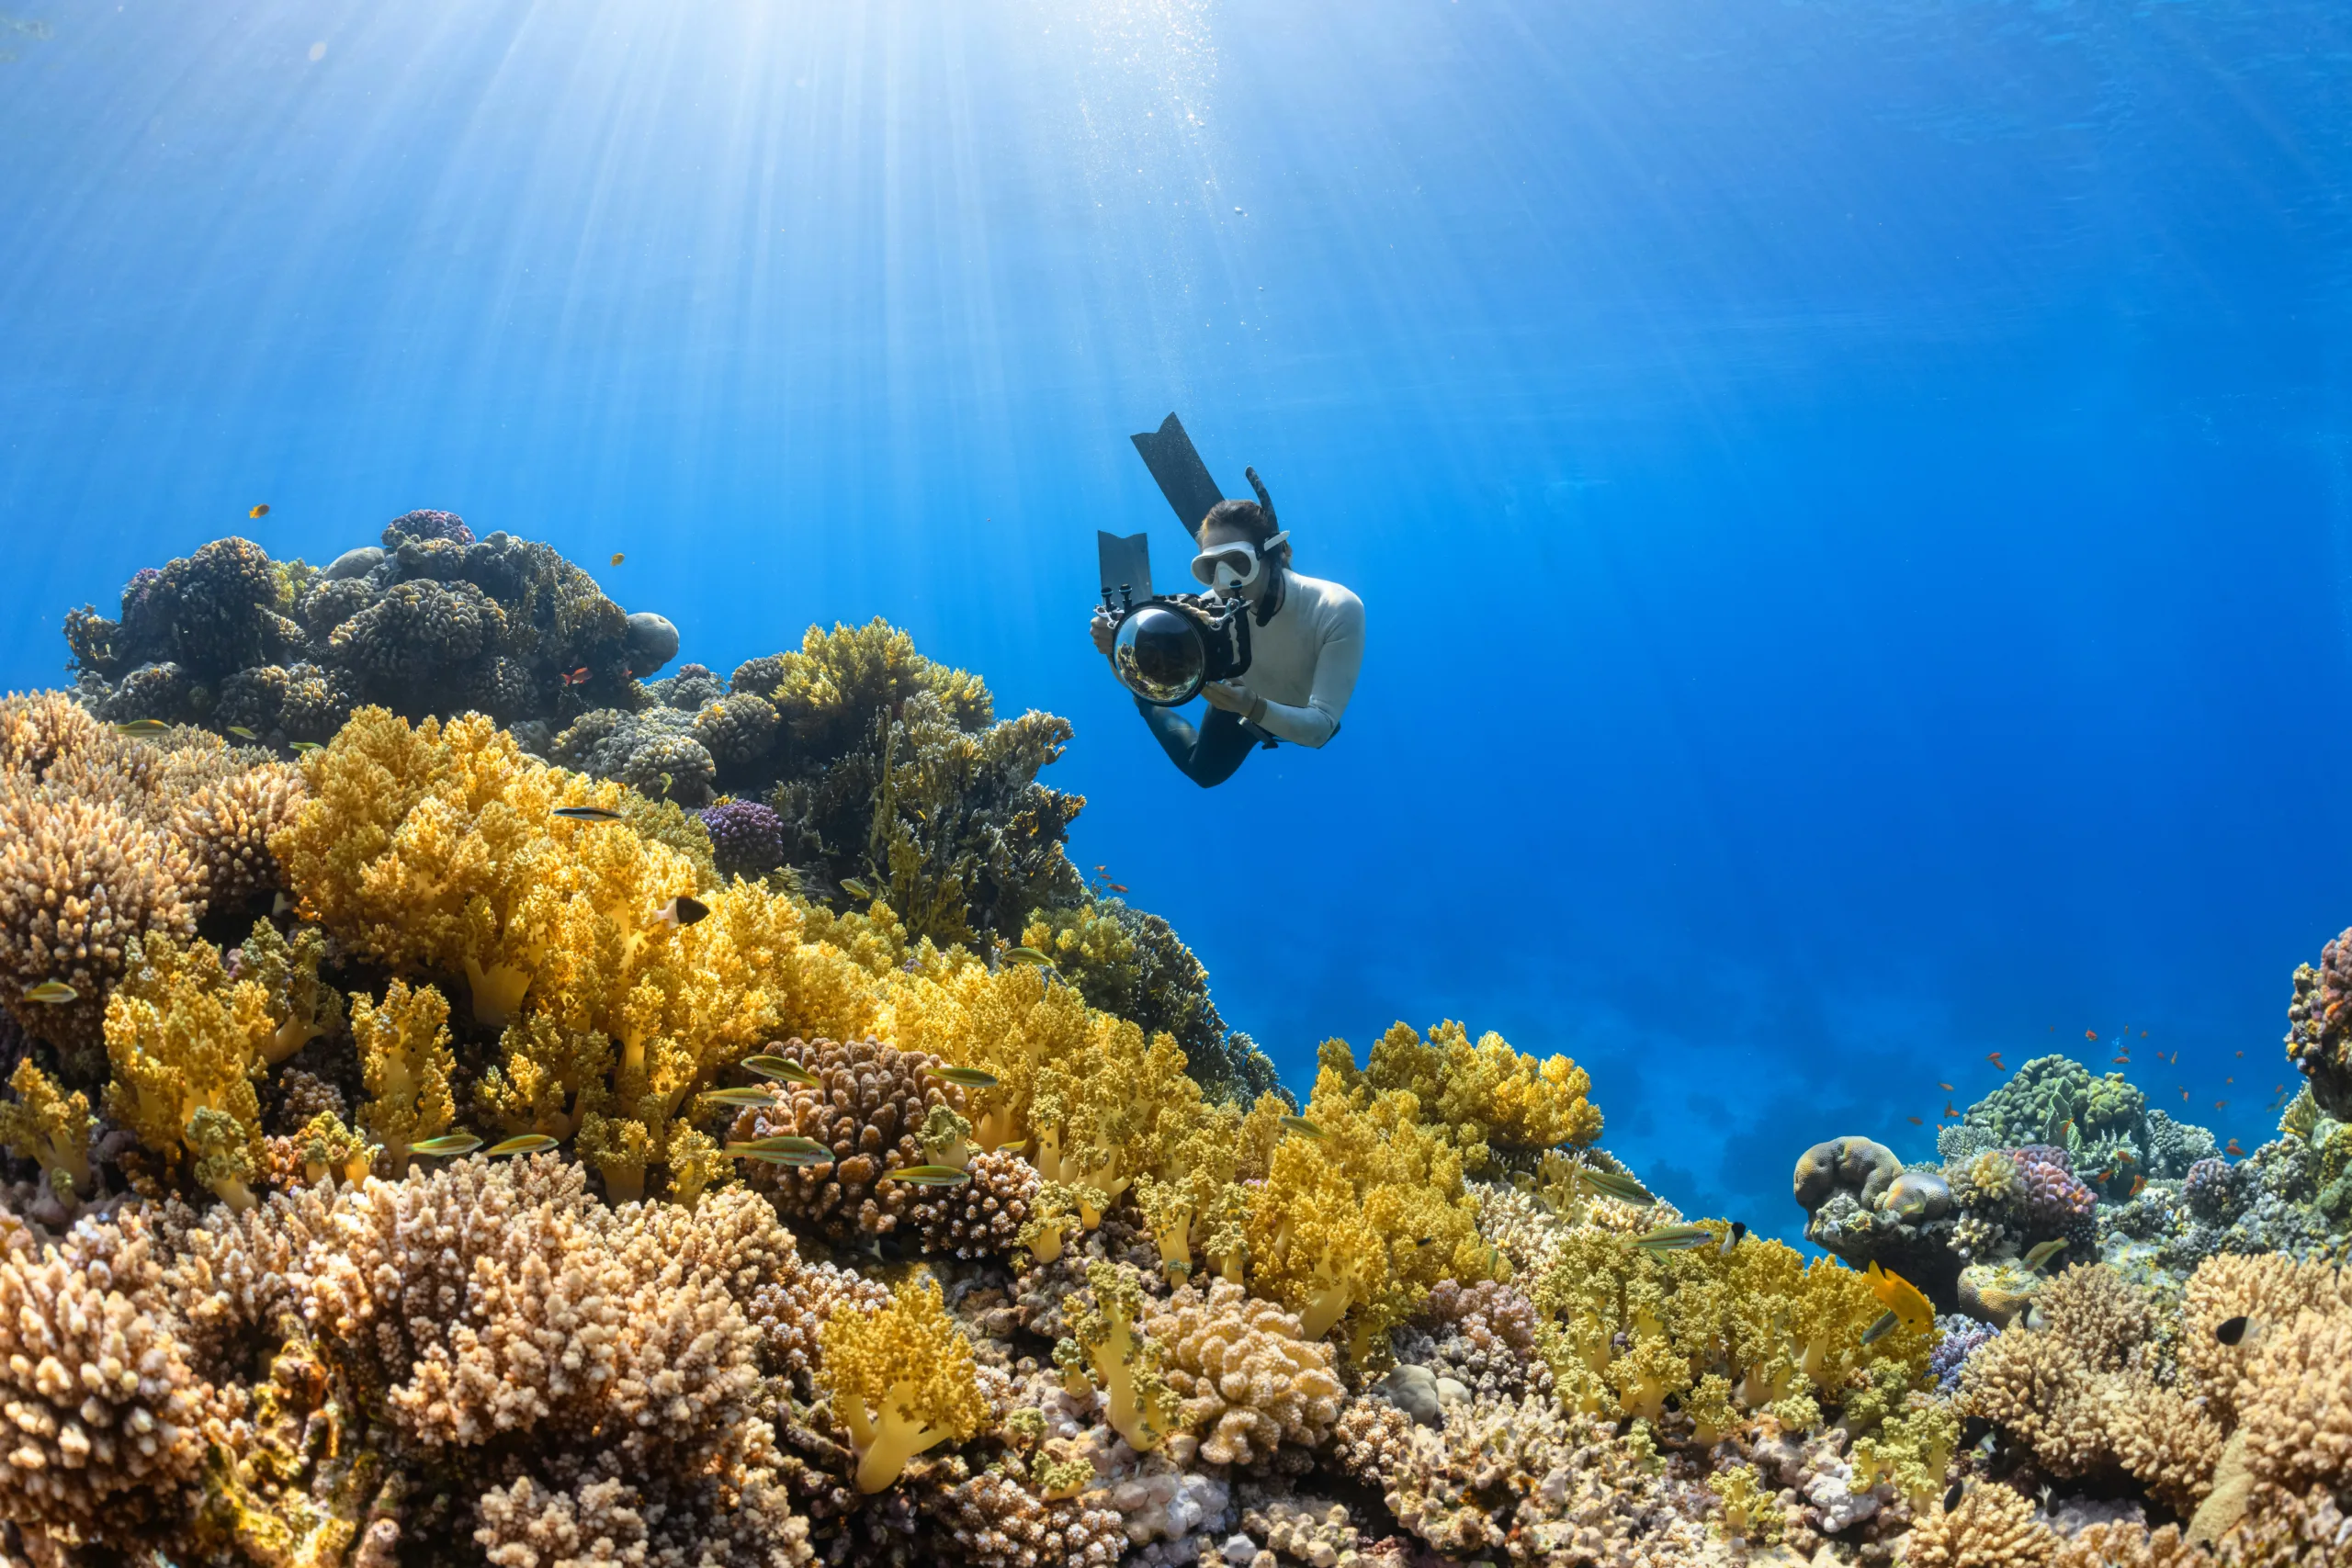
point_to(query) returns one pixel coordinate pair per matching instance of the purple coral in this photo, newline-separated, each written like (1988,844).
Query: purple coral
(424,525)
(2213,1192)
(1962,1335)
(746,838)
(2054,1201)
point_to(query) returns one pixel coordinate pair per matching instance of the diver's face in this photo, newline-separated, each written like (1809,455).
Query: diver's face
(1215,538)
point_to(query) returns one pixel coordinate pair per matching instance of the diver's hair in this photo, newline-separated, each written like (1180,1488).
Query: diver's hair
(1250,520)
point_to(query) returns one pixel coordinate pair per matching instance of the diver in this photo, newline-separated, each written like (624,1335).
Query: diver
(1299,640)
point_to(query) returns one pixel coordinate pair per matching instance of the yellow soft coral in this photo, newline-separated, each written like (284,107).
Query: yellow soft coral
(1625,1327)
(1108,1349)
(404,1060)
(435,849)
(46,1124)
(901,1381)
(186,1045)
(1363,1215)
(303,1006)
(1482,1095)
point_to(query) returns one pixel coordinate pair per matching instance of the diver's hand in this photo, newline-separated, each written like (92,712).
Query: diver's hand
(1103,628)
(1230,695)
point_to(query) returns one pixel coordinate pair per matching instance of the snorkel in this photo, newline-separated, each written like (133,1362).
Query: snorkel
(1238,568)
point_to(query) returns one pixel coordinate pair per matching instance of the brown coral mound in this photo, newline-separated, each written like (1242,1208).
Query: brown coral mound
(790,1313)
(1993,1528)
(1249,1380)
(869,1108)
(994,1521)
(984,1218)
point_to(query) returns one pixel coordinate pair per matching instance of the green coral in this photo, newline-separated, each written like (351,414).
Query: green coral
(2102,1122)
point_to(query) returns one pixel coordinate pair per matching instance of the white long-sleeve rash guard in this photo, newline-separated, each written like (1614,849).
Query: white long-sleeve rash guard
(1304,661)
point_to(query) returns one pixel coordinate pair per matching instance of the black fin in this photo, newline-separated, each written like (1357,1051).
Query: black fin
(1182,478)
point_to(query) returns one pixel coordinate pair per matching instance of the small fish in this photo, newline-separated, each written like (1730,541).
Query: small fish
(1025,955)
(1426,1241)
(2231,1331)
(527,1143)
(784,1067)
(1974,1431)
(2090,1033)
(1118,887)
(305,746)
(1877,1331)
(740,1095)
(683,911)
(965,1078)
(241,733)
(575,677)
(585,814)
(1301,1126)
(2221,1104)
(1917,1121)
(1948,1110)
(1995,1058)
(1945,1087)
(1676,1238)
(2241,1053)
(856,889)
(54,993)
(785,1144)
(2122,1061)
(617,558)
(1734,1236)
(928,1176)
(2184,1094)
(137,726)
(2234,1151)
(1953,1498)
(2137,1183)
(260,511)
(795,1159)
(2042,1252)
(1615,1184)
(449,1144)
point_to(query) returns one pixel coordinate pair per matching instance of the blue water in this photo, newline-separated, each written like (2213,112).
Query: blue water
(1852,499)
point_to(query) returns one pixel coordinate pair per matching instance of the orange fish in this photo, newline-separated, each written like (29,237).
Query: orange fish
(2229,1080)
(2122,1061)
(2241,1053)
(2137,1182)
(261,511)
(1945,1087)
(2184,1094)
(2221,1104)
(1948,1110)
(2090,1033)
(1118,887)
(578,677)
(1917,1121)
(1995,1058)
(2234,1151)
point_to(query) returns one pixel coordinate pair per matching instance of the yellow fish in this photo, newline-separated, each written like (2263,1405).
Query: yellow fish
(759,1096)
(965,1078)
(451,1145)
(1300,1125)
(260,511)
(56,993)
(241,733)
(784,1067)
(617,558)
(528,1144)
(928,1176)
(143,726)
(1901,1297)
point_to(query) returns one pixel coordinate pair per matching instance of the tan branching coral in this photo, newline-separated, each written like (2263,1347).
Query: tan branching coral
(984,1219)
(1994,1526)
(1247,1377)
(106,1415)
(227,827)
(2267,1289)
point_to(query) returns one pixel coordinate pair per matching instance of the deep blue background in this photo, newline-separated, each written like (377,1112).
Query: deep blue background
(1852,498)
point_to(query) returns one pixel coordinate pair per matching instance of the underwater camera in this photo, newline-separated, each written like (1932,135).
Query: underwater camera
(1166,647)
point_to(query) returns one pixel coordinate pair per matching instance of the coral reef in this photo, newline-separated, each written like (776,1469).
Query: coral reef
(433,622)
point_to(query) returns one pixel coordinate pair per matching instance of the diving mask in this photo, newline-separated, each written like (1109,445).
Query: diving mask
(1231,568)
